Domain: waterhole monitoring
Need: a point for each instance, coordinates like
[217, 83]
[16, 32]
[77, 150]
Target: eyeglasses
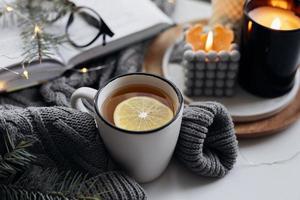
[91, 25]
[84, 25]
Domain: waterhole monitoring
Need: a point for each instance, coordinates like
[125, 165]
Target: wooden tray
[272, 125]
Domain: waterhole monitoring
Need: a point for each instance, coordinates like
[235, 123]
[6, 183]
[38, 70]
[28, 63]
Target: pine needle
[16, 159]
[33, 14]
[65, 185]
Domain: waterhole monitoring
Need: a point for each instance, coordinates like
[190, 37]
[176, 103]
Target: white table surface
[274, 182]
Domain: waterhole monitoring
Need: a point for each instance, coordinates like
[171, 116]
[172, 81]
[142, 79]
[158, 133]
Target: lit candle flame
[26, 74]
[209, 41]
[276, 24]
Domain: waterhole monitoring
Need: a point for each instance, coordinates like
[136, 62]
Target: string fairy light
[84, 70]
[2, 85]
[26, 74]
[172, 1]
[37, 31]
[9, 8]
[9, 70]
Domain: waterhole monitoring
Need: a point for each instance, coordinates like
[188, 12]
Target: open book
[130, 20]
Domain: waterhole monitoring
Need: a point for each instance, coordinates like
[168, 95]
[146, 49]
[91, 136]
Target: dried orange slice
[223, 37]
[194, 37]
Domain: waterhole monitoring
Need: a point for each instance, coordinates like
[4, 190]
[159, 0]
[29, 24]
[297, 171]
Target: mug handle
[83, 93]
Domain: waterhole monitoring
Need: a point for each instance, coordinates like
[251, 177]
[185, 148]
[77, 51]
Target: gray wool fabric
[65, 137]
[110, 186]
[207, 143]
[68, 139]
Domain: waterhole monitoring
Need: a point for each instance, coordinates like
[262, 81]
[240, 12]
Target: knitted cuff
[207, 143]
[120, 186]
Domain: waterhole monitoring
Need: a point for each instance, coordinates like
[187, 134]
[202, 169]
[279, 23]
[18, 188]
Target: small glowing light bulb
[2, 86]
[9, 9]
[84, 70]
[37, 29]
[26, 74]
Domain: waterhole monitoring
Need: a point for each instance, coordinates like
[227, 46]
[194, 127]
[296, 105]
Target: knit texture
[67, 139]
[121, 187]
[109, 186]
[207, 143]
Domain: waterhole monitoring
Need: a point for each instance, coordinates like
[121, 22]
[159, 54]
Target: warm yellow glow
[250, 26]
[37, 29]
[276, 24]
[209, 41]
[2, 85]
[9, 9]
[276, 18]
[280, 4]
[84, 70]
[26, 74]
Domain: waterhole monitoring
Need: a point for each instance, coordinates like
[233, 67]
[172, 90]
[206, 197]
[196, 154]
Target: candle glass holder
[210, 73]
[269, 57]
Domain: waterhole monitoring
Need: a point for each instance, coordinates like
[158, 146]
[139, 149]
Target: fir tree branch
[50, 183]
[16, 159]
[10, 192]
[33, 14]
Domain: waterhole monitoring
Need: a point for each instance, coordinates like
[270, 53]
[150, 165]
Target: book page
[11, 51]
[11, 47]
[124, 17]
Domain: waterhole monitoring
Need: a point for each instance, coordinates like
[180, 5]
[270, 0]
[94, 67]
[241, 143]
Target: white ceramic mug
[144, 154]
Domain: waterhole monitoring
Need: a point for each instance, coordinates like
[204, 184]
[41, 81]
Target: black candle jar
[269, 57]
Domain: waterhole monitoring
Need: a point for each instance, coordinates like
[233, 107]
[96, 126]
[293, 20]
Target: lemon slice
[141, 114]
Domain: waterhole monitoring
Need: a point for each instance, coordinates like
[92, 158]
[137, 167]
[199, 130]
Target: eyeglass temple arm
[102, 26]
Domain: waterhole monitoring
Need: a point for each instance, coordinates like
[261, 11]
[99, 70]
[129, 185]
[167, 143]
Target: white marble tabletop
[268, 181]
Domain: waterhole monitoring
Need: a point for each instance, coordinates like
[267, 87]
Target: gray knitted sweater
[69, 140]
